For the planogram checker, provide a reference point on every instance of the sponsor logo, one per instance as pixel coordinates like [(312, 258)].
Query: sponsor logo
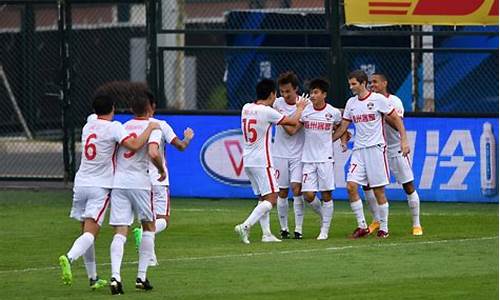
[(431, 7), (370, 105), (221, 157)]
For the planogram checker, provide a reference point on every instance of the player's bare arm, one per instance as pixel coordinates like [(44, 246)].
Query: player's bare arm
[(156, 159), (291, 124), (134, 144), (182, 145), (341, 130), (397, 122), (344, 139)]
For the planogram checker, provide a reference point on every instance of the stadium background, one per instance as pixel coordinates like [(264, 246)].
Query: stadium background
[(203, 57)]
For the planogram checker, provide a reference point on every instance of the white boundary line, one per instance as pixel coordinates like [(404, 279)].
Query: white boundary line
[(381, 245)]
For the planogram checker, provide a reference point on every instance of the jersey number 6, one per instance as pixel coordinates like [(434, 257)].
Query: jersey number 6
[(90, 149)]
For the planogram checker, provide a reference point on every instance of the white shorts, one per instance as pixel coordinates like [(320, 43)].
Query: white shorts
[(401, 169), (369, 167), (124, 202), (161, 199), (318, 177), (89, 202), (263, 180), (287, 170)]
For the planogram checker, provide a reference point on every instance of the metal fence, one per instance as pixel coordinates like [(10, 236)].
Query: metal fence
[(207, 55)]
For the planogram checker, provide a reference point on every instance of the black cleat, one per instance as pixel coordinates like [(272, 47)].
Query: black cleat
[(284, 234), (297, 235), (116, 287), (143, 285)]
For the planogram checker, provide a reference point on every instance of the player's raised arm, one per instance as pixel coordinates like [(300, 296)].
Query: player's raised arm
[(135, 144), (395, 120), (181, 145), (291, 124)]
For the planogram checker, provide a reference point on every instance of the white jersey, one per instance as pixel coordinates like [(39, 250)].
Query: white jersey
[(99, 139), (166, 135), (285, 145), (256, 122), (367, 114), (391, 134), (318, 127), (132, 168)]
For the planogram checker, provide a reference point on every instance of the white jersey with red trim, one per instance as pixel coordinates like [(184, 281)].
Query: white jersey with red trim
[(166, 135), (99, 139), (391, 134), (285, 145), (318, 127), (132, 168), (256, 123), (367, 114)]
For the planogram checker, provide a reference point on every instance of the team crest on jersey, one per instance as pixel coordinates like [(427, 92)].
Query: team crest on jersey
[(328, 116), (370, 105)]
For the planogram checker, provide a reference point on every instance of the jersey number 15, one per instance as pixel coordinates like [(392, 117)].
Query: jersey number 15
[(249, 133)]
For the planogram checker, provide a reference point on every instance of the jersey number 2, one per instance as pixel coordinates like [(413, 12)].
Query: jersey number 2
[(249, 133), (90, 149)]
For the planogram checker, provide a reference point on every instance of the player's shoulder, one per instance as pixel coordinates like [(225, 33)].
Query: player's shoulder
[(377, 96), (395, 99)]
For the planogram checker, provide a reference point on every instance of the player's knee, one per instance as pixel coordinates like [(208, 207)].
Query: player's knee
[(296, 189), (352, 188), (148, 226), (309, 196), (409, 187), (283, 193)]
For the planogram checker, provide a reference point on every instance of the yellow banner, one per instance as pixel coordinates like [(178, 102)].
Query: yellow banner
[(422, 12)]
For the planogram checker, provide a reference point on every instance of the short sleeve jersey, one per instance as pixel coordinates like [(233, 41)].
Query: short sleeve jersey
[(318, 128), (99, 141), (132, 168), (367, 114), (392, 135), (166, 135), (285, 145), (256, 122)]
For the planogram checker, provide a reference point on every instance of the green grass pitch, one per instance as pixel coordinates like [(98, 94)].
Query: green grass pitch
[(201, 257)]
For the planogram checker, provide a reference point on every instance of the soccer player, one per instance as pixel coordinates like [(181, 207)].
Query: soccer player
[(132, 194), (319, 122), (94, 179), (160, 189), (257, 119), (399, 165), (368, 166), (287, 152)]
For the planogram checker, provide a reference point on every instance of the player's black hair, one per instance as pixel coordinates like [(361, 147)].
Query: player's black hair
[(360, 76), (264, 88), (141, 88), (382, 75), (288, 77), (319, 83)]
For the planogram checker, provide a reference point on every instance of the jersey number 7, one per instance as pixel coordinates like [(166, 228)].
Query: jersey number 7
[(249, 133)]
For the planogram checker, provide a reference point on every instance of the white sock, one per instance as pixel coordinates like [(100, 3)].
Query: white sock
[(316, 206), (81, 244), (145, 253), (89, 260), (327, 210), (257, 213), (116, 252), (282, 207), (265, 223), (384, 216), (357, 209), (372, 204), (160, 224), (414, 204), (298, 209)]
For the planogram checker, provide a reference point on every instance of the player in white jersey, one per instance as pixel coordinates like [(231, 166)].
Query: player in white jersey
[(132, 194), (368, 166), (319, 121), (257, 119), (287, 152), (94, 179), (160, 189), (399, 165)]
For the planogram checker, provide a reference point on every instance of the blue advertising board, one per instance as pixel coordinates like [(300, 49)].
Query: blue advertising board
[(454, 159)]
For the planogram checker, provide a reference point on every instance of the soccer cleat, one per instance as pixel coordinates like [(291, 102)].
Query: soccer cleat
[(137, 237), (242, 233), (67, 276), (153, 262), (143, 285), (297, 235), (322, 236), (382, 234), (285, 234), (270, 239), (417, 230), (116, 287), (360, 232), (374, 226), (97, 283)]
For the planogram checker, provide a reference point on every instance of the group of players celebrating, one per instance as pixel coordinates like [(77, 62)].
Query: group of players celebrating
[(302, 155)]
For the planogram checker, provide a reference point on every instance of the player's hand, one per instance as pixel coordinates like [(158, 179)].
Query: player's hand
[(348, 136), (188, 133), (405, 149), (302, 102), (344, 147), (163, 175)]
